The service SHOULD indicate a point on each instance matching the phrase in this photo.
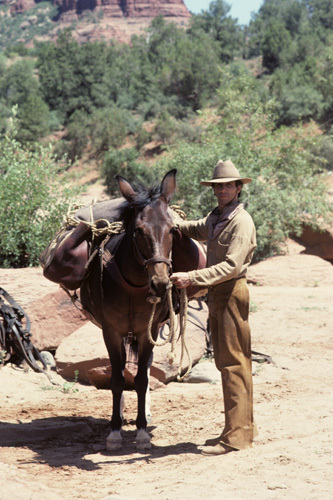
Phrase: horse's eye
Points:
(139, 231)
(174, 230)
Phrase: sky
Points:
(240, 9)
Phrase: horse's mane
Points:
(145, 196)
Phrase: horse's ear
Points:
(125, 188)
(168, 184)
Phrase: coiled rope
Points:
(171, 337)
(108, 228)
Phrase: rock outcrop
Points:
(51, 312)
(104, 20)
(70, 9)
(318, 243)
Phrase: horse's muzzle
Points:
(159, 285)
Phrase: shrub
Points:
(34, 196)
(108, 128)
(124, 162)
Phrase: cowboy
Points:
(231, 240)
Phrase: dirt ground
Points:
(53, 439)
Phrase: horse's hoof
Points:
(114, 441)
(143, 440)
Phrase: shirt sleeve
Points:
(196, 229)
(238, 257)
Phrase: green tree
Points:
(308, 23)
(34, 116)
(321, 13)
(19, 86)
(275, 40)
(77, 137)
(34, 195)
(108, 129)
(221, 28)
(130, 76)
(72, 77)
(186, 66)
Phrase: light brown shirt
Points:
(229, 253)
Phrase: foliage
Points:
(124, 162)
(287, 189)
(305, 90)
(288, 31)
(21, 88)
(109, 128)
(169, 71)
(186, 64)
(169, 131)
(100, 131)
(34, 195)
(24, 27)
(323, 151)
(275, 40)
(70, 76)
(76, 138)
(221, 28)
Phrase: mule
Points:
(117, 296)
(132, 270)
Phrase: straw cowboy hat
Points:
(225, 171)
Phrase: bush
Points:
(34, 195)
(108, 128)
(323, 151)
(123, 162)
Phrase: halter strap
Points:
(157, 258)
(152, 260)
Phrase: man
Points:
(231, 240)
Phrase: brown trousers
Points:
(228, 305)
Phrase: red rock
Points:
(20, 6)
(318, 243)
(51, 312)
(53, 318)
(70, 9)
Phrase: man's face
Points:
(226, 192)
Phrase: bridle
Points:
(152, 260)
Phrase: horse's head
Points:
(152, 229)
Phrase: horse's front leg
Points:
(141, 386)
(117, 360)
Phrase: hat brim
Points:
(245, 180)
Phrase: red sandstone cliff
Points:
(111, 8)
(108, 19)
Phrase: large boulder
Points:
(318, 243)
(51, 312)
(83, 354)
(53, 318)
